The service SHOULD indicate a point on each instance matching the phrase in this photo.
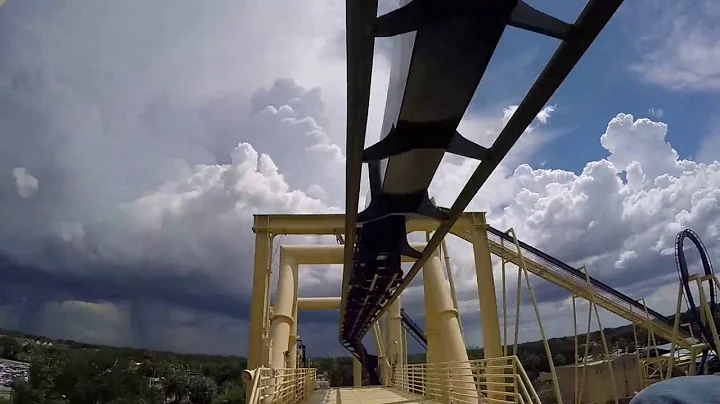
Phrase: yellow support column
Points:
(492, 345)
(486, 288)
(453, 348)
(259, 302)
(395, 340)
(395, 334)
(381, 355)
(383, 320)
(403, 351)
(357, 372)
(434, 340)
(285, 298)
(292, 344)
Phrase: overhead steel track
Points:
(360, 43)
(588, 25)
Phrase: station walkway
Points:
(365, 395)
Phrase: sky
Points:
(138, 139)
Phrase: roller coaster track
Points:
(448, 39)
(685, 281)
(565, 276)
(561, 274)
(417, 333)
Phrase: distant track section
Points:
(563, 275)
(417, 333)
(684, 276)
(528, 250)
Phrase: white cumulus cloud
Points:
(679, 44)
(619, 215)
(26, 184)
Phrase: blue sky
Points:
(137, 140)
(602, 84)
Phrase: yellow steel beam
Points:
(319, 224)
(318, 303)
(326, 254)
(259, 303)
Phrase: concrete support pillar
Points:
(453, 347)
(357, 372)
(292, 344)
(282, 321)
(259, 302)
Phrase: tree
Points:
(175, 381)
(559, 360)
(596, 350)
(335, 374)
(9, 347)
(201, 389)
(530, 360)
(24, 393)
(234, 395)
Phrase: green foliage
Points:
(69, 372)
(9, 347)
(232, 395)
(338, 370)
(78, 373)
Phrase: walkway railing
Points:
(281, 386)
(497, 380)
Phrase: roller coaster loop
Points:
(685, 282)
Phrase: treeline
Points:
(338, 370)
(69, 372)
(76, 373)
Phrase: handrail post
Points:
(548, 353)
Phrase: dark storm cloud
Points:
(114, 283)
(97, 139)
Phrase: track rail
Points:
(561, 274)
(685, 281)
(360, 16)
(414, 329)
(528, 250)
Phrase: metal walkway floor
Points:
(365, 395)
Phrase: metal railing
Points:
(652, 370)
(607, 300)
(282, 386)
(496, 380)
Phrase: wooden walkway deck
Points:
(365, 395)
